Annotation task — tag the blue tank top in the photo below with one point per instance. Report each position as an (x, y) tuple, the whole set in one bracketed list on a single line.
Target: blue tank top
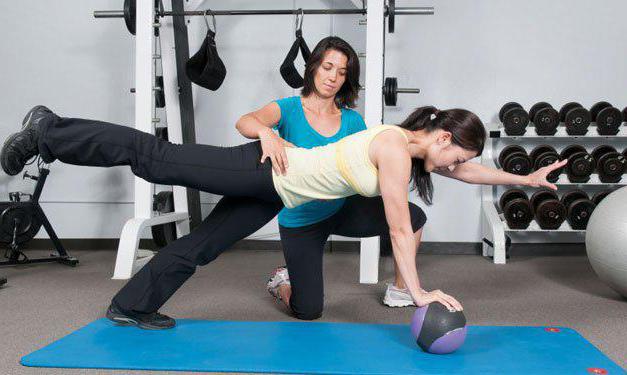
[(294, 128)]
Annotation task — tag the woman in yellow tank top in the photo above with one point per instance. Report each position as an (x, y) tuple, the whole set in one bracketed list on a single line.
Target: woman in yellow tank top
[(381, 160)]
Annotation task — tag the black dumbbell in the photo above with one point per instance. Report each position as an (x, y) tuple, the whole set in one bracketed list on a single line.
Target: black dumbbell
[(625, 114), (514, 159), (544, 155), (580, 164), (514, 118), (578, 208), (607, 117), (545, 118), (550, 213), (575, 117), (516, 209), (610, 165), (598, 197)]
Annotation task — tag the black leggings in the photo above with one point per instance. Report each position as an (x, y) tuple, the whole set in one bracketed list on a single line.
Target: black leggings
[(302, 247), (87, 142), (234, 171)]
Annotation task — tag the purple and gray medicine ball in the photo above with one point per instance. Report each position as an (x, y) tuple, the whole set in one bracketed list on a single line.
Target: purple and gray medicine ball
[(438, 330)]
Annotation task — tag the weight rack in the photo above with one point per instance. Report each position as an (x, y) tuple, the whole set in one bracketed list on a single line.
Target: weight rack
[(494, 228)]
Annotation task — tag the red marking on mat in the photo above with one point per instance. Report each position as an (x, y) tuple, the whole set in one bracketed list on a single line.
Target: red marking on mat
[(595, 370), (552, 329)]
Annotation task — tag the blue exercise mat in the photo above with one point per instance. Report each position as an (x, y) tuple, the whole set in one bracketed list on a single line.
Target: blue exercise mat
[(318, 348)]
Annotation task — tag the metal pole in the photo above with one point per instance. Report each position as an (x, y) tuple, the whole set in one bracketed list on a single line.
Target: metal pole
[(258, 12)]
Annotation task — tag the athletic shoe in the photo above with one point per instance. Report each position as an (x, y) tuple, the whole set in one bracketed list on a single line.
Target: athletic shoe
[(142, 320), (20, 147), (278, 277), (397, 297)]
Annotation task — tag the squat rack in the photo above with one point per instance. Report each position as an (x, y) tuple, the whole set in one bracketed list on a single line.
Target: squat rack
[(143, 16)]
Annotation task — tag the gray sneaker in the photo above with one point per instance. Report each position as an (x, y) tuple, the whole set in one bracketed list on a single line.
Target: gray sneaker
[(396, 297), (278, 277)]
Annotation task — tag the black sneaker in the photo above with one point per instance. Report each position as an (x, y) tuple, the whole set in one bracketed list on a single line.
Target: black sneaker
[(20, 147), (141, 320)]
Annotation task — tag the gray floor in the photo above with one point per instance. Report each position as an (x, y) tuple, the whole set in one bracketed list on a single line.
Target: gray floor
[(45, 302)]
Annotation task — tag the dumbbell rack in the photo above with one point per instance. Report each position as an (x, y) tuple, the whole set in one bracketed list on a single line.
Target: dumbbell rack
[(494, 228)]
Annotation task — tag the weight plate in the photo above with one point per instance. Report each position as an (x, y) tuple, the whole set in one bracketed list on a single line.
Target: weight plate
[(611, 167), (547, 159), (570, 150), (578, 213), (515, 121), (536, 107), (162, 235), (625, 114), (511, 194), (600, 151), (539, 150), (550, 214), (598, 197), (391, 16), (577, 121), (608, 121), (567, 107), (506, 107), (546, 121), (390, 94), (541, 196), (517, 163), (129, 15), (580, 166), (573, 195), (518, 213), (594, 111), (508, 150)]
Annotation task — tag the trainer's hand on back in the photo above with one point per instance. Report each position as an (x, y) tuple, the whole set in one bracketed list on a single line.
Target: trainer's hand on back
[(273, 147), (449, 302)]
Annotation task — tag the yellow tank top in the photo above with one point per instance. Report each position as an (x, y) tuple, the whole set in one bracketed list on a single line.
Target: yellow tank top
[(333, 171)]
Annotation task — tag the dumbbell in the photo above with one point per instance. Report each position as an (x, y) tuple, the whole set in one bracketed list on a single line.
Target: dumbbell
[(516, 209), (598, 197), (580, 164), (578, 208), (575, 117), (545, 118), (544, 155), (514, 159), (514, 118), (610, 165), (550, 213), (607, 117)]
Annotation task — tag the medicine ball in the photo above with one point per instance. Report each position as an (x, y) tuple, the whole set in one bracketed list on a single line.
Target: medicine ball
[(438, 330)]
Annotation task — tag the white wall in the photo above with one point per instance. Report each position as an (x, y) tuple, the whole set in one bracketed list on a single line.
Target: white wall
[(472, 54)]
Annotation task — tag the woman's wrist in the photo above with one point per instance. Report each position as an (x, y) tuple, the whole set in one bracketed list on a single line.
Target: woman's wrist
[(264, 132)]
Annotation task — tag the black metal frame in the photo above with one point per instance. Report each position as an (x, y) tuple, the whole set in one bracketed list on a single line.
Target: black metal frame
[(61, 256)]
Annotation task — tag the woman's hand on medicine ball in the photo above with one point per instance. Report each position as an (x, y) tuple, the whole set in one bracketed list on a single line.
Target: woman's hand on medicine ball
[(538, 178), (449, 302), (273, 147)]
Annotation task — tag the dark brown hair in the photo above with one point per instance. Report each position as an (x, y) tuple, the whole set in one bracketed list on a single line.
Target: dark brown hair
[(348, 93), (467, 131)]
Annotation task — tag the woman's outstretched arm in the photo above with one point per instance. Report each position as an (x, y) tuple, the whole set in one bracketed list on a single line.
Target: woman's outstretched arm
[(394, 165), (475, 173)]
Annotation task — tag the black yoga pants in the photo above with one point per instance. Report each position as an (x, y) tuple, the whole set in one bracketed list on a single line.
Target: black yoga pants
[(303, 247)]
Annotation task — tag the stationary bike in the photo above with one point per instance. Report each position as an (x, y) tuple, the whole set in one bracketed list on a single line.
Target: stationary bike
[(20, 220)]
